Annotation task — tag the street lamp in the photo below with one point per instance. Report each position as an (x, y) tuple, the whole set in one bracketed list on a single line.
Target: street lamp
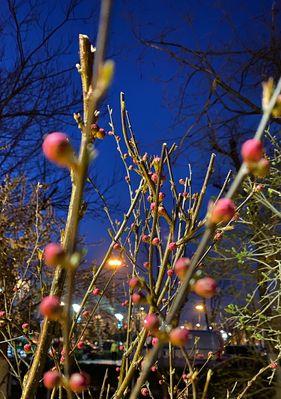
[(114, 262), (200, 307)]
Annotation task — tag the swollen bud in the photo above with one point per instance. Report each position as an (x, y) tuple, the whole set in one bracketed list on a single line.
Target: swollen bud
[(50, 307), (78, 382), (205, 287), (179, 336), (151, 322), (261, 168), (223, 211), (181, 267), (51, 379), (54, 254), (252, 150), (57, 149)]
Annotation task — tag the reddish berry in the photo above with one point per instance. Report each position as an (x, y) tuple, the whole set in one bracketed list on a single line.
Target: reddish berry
[(51, 379), (223, 211), (151, 322), (179, 336), (205, 287), (27, 348), (56, 148), (181, 267), (134, 282), (172, 246), (96, 292), (54, 254), (78, 382), (155, 241), (50, 307), (252, 150)]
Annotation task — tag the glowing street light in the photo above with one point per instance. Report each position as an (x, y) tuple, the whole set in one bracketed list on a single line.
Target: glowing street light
[(200, 307), (76, 307), (114, 262)]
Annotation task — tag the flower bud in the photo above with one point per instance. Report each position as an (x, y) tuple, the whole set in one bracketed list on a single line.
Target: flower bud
[(25, 326), (155, 241), (145, 238), (57, 149), (138, 298), (27, 348), (154, 341), (96, 292), (172, 246), (170, 272), (223, 211), (260, 169), (205, 287), (146, 265), (54, 254), (80, 345), (252, 150), (181, 267), (151, 322), (51, 379), (2, 314), (50, 307), (144, 392), (179, 336), (78, 382), (134, 282)]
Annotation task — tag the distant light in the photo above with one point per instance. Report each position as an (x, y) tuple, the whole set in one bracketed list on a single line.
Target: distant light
[(114, 262), (230, 334), (76, 307), (200, 307), (119, 316), (224, 334), (210, 328), (198, 325), (141, 308)]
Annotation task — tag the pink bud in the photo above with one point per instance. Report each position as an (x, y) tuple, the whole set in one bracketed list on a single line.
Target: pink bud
[(117, 246), (2, 314), (50, 307), (86, 314), (151, 322), (146, 265), (155, 241), (144, 392), (56, 148), (54, 254), (25, 326), (218, 236), (154, 177), (134, 282), (223, 211), (117, 369), (179, 336), (161, 196), (145, 238), (252, 150), (170, 272), (80, 345), (273, 365), (182, 181), (27, 348), (154, 369), (154, 341), (78, 382), (125, 303), (161, 210), (96, 292), (181, 267), (172, 246), (138, 298), (51, 379), (205, 287), (153, 206)]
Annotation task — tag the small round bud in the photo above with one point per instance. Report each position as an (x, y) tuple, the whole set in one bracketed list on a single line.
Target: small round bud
[(25, 326), (179, 336), (223, 211), (2, 314), (172, 246), (54, 254), (155, 241), (138, 298), (170, 272), (134, 282), (151, 322), (117, 246), (205, 287), (145, 238), (27, 348), (181, 181), (50, 307), (260, 169), (51, 379), (252, 150), (144, 392), (78, 382), (181, 267), (80, 345), (96, 292), (154, 177), (57, 149), (146, 265), (154, 341)]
